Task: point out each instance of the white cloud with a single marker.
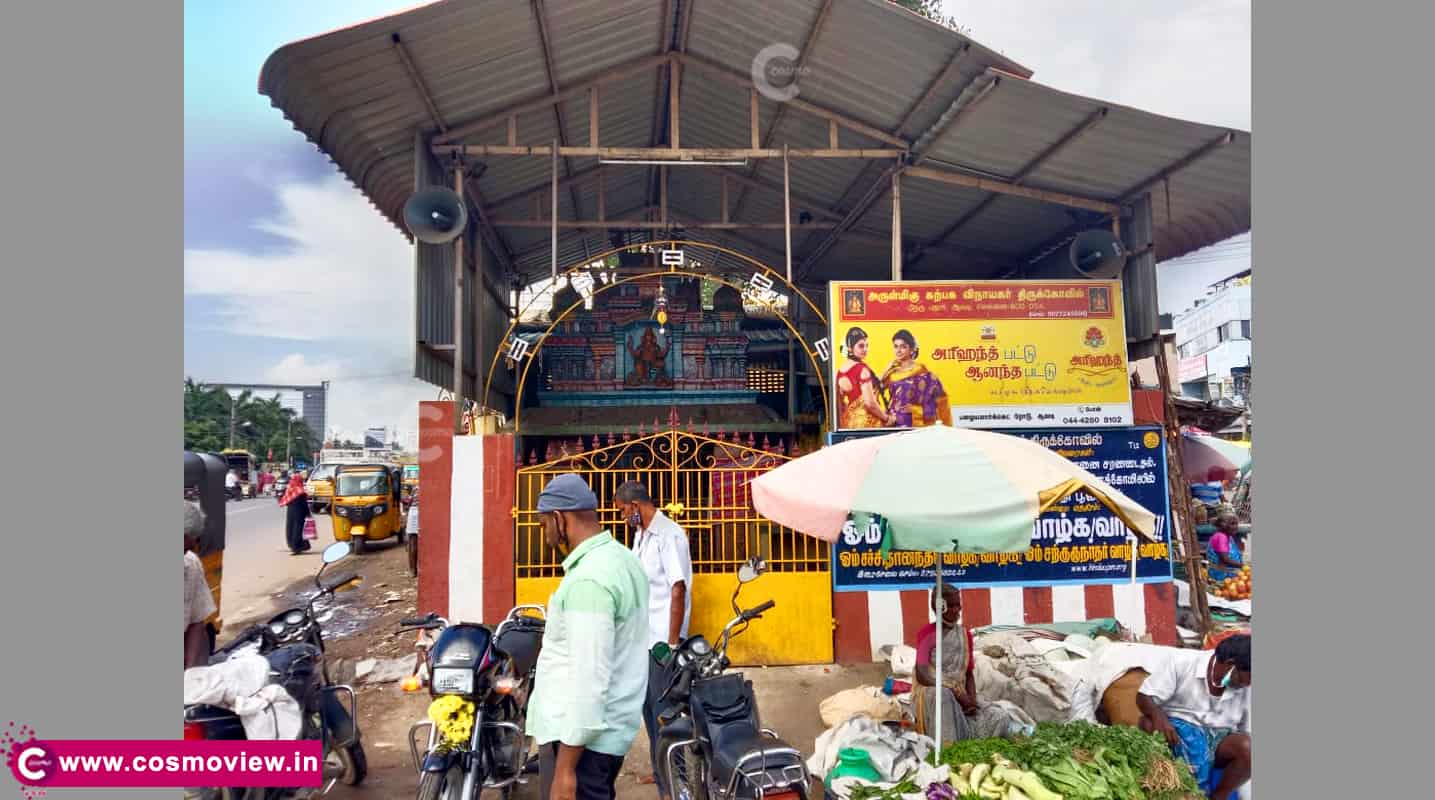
(296, 369)
(344, 273)
(341, 282)
(1190, 60)
(361, 396)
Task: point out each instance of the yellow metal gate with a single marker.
(701, 482)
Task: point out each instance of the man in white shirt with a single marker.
(662, 547)
(1201, 702)
(231, 484)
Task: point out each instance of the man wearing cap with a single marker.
(592, 670)
(662, 548)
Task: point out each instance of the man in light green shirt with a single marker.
(592, 671)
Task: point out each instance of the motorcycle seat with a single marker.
(522, 641)
(731, 744)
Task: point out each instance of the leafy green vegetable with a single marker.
(905, 786)
(975, 751)
(1122, 759)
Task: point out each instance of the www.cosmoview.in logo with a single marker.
(775, 71)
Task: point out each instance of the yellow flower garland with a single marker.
(454, 718)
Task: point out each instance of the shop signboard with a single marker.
(992, 354)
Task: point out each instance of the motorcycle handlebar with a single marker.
(430, 621)
(759, 611)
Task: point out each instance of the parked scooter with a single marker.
(480, 681)
(711, 743)
(294, 646)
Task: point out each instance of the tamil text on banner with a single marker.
(1079, 541)
(995, 354)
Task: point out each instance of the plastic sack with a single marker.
(868, 700)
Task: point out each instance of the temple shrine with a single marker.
(613, 367)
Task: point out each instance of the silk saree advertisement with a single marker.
(992, 354)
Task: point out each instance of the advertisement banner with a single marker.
(1079, 541)
(993, 354)
(1192, 369)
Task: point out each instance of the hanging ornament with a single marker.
(660, 310)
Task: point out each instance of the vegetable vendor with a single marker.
(958, 689)
(1225, 552)
(1201, 703)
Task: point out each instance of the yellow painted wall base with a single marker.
(798, 630)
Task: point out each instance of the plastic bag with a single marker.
(903, 660)
(311, 531)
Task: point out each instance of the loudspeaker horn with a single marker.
(436, 215)
(1095, 254)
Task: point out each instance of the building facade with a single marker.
(1213, 341)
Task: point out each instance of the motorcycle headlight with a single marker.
(452, 680)
(380, 508)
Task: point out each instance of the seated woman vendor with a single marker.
(1225, 552)
(963, 716)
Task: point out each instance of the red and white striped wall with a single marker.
(466, 486)
(466, 567)
(868, 620)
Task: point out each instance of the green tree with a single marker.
(259, 424)
(932, 10)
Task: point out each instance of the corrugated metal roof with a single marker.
(351, 93)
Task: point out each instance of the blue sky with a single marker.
(275, 238)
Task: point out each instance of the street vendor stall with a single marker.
(937, 490)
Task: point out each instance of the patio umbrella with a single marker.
(937, 489)
(1200, 452)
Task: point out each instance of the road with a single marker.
(257, 563)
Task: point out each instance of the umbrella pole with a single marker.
(937, 695)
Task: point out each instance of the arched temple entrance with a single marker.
(645, 340)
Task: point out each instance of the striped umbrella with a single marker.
(937, 489)
(1201, 451)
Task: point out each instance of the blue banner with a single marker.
(1079, 541)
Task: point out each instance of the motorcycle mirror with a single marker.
(750, 571)
(336, 552)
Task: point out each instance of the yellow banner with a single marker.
(992, 354)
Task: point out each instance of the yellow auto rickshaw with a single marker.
(411, 483)
(320, 487)
(366, 504)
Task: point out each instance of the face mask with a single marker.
(1226, 680)
(636, 520)
(562, 546)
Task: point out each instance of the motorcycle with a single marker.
(294, 646)
(711, 742)
(480, 681)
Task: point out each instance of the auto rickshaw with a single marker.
(320, 487)
(411, 483)
(246, 466)
(204, 484)
(366, 504)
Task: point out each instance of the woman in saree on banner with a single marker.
(918, 399)
(963, 715)
(858, 387)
